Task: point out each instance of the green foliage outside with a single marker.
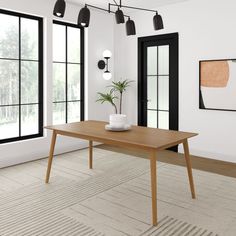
(9, 74)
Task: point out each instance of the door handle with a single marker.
(146, 100)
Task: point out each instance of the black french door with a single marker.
(158, 81)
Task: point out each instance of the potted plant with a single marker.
(116, 120)
(120, 87)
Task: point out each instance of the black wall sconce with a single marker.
(104, 65)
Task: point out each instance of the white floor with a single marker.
(112, 199)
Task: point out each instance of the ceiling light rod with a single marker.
(136, 8)
(116, 3)
(103, 9)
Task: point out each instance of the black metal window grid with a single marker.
(66, 101)
(19, 60)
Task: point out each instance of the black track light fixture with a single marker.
(120, 19)
(84, 17)
(130, 27)
(59, 8)
(158, 22)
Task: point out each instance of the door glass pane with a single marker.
(73, 111)
(29, 82)
(73, 44)
(163, 60)
(163, 120)
(29, 120)
(163, 92)
(59, 113)
(9, 81)
(73, 82)
(9, 36)
(9, 122)
(29, 39)
(152, 119)
(59, 43)
(59, 82)
(152, 61)
(152, 92)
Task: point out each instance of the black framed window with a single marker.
(68, 73)
(21, 76)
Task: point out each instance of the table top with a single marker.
(137, 137)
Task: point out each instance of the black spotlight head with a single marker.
(84, 17)
(119, 17)
(130, 27)
(59, 8)
(157, 22)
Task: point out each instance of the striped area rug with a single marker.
(113, 199)
(171, 226)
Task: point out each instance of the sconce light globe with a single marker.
(107, 75)
(107, 54)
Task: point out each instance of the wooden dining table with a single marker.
(150, 140)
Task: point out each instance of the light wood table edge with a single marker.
(119, 143)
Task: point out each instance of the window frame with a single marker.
(40, 77)
(66, 63)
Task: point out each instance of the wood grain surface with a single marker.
(137, 137)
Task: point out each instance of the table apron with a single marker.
(118, 143)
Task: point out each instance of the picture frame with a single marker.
(217, 84)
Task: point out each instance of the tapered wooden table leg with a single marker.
(90, 154)
(153, 163)
(189, 167)
(53, 142)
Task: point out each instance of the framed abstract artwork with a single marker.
(217, 84)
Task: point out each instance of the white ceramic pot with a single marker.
(118, 120)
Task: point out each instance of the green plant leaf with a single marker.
(107, 97)
(120, 86)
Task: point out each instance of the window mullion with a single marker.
(19, 76)
(40, 77)
(81, 75)
(66, 82)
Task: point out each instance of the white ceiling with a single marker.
(136, 3)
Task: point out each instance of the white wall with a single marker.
(99, 37)
(206, 31)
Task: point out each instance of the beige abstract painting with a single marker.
(218, 84)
